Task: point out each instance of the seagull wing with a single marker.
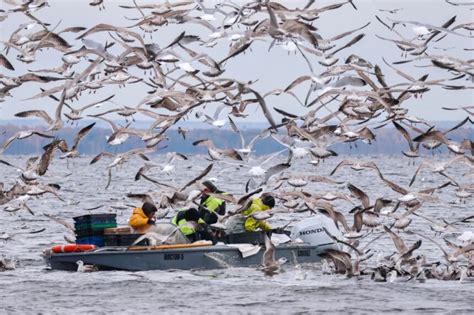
(276, 169)
(399, 244)
(405, 135)
(83, 132)
(203, 173)
(416, 173)
(359, 194)
(36, 113)
(237, 130)
(341, 164)
(60, 221)
(100, 155)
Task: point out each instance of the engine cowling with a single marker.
(312, 231)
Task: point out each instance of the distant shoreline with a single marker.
(388, 141)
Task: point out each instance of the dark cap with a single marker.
(148, 208)
(209, 185)
(268, 200)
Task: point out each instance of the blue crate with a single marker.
(94, 240)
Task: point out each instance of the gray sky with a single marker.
(273, 69)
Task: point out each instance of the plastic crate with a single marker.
(89, 232)
(103, 218)
(95, 240)
(247, 237)
(122, 239)
(93, 229)
(95, 225)
(118, 230)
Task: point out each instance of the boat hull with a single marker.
(205, 257)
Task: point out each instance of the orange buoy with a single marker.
(70, 248)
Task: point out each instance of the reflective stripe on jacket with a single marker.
(250, 224)
(213, 203)
(184, 226)
(139, 221)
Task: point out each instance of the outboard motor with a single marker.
(311, 231)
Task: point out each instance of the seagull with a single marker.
(23, 134)
(183, 131)
(5, 236)
(246, 149)
(81, 267)
(256, 166)
(160, 234)
(5, 63)
(298, 148)
(214, 120)
(7, 263)
(357, 166)
(37, 167)
(111, 28)
(442, 166)
(391, 11)
(121, 159)
(271, 266)
(119, 138)
(450, 258)
(76, 114)
(411, 197)
(426, 27)
(73, 152)
(218, 154)
(403, 251)
(453, 146)
(54, 125)
(342, 261)
(414, 149)
(445, 227)
(166, 168)
(98, 3)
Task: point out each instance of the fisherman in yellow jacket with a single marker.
(266, 202)
(143, 218)
(189, 223)
(211, 206)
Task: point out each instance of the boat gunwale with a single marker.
(120, 250)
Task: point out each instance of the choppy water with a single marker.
(33, 289)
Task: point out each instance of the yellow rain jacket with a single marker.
(215, 204)
(184, 227)
(139, 221)
(251, 225)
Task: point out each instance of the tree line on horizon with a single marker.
(388, 141)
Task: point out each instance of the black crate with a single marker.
(95, 240)
(246, 237)
(100, 218)
(123, 240)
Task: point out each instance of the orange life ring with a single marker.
(70, 248)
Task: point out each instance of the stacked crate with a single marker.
(90, 228)
(121, 236)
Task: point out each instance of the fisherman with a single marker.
(143, 218)
(210, 206)
(192, 226)
(264, 203)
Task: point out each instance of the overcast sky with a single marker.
(273, 69)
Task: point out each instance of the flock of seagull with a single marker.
(185, 80)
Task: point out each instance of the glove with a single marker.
(151, 221)
(278, 231)
(202, 227)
